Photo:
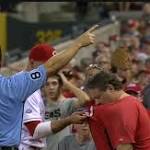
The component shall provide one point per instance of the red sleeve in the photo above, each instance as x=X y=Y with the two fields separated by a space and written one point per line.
x=31 y=126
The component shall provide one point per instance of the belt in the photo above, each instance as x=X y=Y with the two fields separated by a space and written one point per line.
x=8 y=148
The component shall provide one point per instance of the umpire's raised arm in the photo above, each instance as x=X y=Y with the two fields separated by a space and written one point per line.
x=54 y=64
x=28 y=82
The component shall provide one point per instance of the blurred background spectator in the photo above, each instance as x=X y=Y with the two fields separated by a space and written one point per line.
x=80 y=140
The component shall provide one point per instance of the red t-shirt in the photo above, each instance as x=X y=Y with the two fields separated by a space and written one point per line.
x=120 y=122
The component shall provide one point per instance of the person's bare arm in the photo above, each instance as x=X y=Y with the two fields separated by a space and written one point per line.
x=61 y=59
x=43 y=129
x=125 y=147
x=81 y=95
x=75 y=118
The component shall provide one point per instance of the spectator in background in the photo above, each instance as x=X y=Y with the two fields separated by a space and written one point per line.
x=136 y=67
x=146 y=12
x=80 y=140
x=92 y=70
x=146 y=30
x=146 y=45
x=135 y=44
x=143 y=78
x=103 y=61
x=145 y=19
x=121 y=64
x=142 y=53
x=102 y=48
x=132 y=44
x=55 y=108
x=84 y=62
x=76 y=78
x=125 y=40
x=134 y=90
x=147 y=64
x=133 y=27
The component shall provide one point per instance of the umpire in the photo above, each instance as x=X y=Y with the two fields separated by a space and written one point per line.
x=15 y=89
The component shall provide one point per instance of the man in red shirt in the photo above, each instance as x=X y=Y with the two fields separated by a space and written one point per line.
x=119 y=121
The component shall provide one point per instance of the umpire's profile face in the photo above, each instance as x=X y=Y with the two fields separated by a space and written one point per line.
x=52 y=88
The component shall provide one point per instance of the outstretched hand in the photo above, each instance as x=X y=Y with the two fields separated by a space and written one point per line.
x=87 y=37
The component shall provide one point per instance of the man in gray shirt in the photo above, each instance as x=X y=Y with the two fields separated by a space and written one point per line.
x=81 y=140
x=57 y=107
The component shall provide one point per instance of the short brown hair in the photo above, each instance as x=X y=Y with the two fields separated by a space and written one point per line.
x=102 y=79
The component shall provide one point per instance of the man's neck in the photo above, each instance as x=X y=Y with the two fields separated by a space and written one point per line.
x=116 y=96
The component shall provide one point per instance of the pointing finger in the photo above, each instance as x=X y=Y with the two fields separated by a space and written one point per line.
x=93 y=28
